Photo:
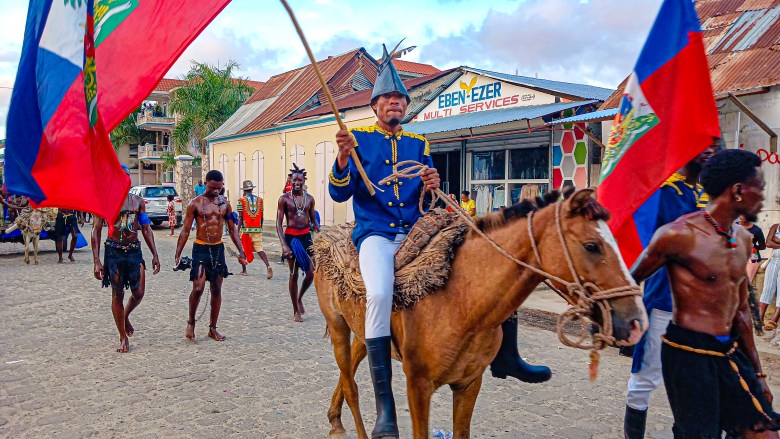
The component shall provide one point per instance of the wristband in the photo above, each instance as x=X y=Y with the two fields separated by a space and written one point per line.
x=761 y=375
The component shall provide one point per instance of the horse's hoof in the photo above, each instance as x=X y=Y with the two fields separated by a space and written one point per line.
x=36 y=262
x=27 y=261
x=337 y=433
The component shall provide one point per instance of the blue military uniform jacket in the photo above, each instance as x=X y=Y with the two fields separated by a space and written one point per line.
x=393 y=209
x=676 y=198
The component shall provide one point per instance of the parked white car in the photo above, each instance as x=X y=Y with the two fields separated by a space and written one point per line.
x=156 y=199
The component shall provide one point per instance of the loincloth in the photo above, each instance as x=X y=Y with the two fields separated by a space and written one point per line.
x=211 y=258
x=705 y=393
x=122 y=265
x=423 y=260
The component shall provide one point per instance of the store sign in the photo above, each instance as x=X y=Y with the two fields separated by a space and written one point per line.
x=480 y=94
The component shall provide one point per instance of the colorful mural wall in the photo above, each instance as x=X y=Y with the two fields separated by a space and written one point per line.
x=570 y=156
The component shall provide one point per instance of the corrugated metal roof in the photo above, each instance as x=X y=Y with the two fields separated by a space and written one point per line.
x=363 y=98
x=242 y=116
x=415 y=67
x=490 y=117
x=567 y=89
x=742 y=39
x=593 y=116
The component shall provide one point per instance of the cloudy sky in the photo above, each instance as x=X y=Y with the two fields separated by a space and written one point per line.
x=587 y=41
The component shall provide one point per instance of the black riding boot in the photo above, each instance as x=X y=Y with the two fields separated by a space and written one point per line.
x=382 y=377
x=634 y=423
x=508 y=361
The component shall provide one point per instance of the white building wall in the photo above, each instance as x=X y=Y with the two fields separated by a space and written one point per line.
x=740 y=131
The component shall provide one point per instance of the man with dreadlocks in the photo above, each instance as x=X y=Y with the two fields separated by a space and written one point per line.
x=297 y=207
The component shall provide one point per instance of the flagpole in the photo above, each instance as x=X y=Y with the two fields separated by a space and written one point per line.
x=332 y=103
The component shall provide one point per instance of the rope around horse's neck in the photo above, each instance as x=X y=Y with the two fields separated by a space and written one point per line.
x=584 y=302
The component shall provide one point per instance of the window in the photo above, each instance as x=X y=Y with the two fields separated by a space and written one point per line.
x=488 y=165
x=160 y=192
x=529 y=164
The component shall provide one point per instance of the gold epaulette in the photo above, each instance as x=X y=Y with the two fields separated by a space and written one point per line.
x=421 y=138
x=339 y=182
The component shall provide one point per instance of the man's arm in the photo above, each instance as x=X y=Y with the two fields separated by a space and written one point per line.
x=313 y=217
x=97 y=231
x=341 y=185
x=233 y=231
x=184 y=235
x=656 y=255
x=743 y=323
x=281 y=207
x=146 y=231
x=240 y=210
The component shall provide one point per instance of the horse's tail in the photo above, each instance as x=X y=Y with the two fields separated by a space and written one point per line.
x=326 y=334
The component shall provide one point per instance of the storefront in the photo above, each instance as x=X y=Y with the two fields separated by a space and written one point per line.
x=489 y=135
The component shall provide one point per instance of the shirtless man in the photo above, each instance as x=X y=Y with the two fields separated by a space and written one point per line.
x=209 y=211
x=708 y=354
x=297 y=207
x=124 y=265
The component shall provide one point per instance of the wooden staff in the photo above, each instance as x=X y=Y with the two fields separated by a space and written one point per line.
x=335 y=110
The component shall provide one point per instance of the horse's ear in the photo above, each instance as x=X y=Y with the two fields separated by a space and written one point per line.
x=580 y=200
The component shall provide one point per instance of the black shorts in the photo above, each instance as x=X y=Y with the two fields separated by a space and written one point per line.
x=211 y=258
x=705 y=393
x=122 y=265
x=63 y=225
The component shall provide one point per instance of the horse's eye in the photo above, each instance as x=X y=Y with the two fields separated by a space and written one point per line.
x=591 y=247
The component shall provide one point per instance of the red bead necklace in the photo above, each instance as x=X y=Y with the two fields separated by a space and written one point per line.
x=729 y=235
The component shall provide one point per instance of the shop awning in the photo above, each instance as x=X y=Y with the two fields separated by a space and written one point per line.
x=490 y=117
x=594 y=116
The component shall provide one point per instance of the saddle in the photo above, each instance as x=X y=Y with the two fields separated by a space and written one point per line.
x=422 y=262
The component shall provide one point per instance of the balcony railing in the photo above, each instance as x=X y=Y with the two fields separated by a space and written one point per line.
x=144 y=120
x=152 y=151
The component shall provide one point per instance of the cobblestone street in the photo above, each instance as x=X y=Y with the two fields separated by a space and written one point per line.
x=61 y=377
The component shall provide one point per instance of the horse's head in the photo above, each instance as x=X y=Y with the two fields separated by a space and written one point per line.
x=576 y=245
x=35 y=222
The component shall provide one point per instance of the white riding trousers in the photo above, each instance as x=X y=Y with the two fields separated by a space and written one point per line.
x=642 y=383
x=377 y=266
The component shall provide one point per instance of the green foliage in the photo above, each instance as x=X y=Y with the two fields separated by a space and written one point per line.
x=169 y=161
x=211 y=96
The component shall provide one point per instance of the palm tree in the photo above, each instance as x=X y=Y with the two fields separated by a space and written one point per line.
x=127 y=132
x=211 y=96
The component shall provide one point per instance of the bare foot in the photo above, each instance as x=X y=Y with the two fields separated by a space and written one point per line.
x=124 y=345
x=270 y=273
x=300 y=307
x=190 y=332
x=243 y=273
x=129 y=328
x=60 y=261
x=71 y=258
x=215 y=335
x=297 y=317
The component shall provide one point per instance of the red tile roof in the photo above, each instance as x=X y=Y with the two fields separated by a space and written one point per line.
x=294 y=88
x=414 y=67
x=363 y=97
x=742 y=40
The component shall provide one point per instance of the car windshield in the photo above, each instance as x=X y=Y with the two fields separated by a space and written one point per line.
x=159 y=192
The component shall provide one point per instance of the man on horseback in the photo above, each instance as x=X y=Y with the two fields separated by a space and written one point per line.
x=382 y=223
x=297 y=208
x=711 y=369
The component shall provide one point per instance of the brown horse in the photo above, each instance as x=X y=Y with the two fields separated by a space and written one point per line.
x=453 y=334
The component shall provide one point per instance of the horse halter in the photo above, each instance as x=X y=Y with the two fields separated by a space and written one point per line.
x=582 y=297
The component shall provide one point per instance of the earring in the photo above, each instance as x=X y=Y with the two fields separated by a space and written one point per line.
x=739 y=198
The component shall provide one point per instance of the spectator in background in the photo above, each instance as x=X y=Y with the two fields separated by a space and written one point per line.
x=771 y=281
x=200 y=188
x=759 y=243
x=171 y=213
x=469 y=205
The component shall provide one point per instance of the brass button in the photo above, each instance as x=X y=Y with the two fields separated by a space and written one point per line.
x=387 y=162
x=387 y=137
x=392 y=224
x=398 y=137
x=406 y=225
x=390 y=203
x=402 y=204
x=400 y=183
x=389 y=183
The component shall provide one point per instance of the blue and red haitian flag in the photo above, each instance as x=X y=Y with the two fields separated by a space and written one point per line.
x=85 y=66
x=667 y=117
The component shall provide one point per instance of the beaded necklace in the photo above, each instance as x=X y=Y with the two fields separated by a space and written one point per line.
x=728 y=235
x=299 y=209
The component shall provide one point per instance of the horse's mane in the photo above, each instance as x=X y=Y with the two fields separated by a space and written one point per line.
x=592 y=210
